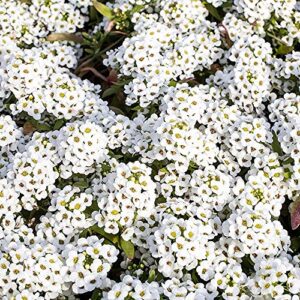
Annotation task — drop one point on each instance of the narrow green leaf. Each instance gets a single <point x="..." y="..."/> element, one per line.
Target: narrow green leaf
<point x="172" y="83"/>
<point x="59" y="124"/>
<point x="117" y="110"/>
<point x="111" y="91"/>
<point x="94" y="16"/>
<point x="93" y="207"/>
<point x="127" y="247"/>
<point x="84" y="233"/>
<point x="227" y="4"/>
<point x="160" y="200"/>
<point x="295" y="244"/>
<point x="288" y="161"/>
<point x="103" y="9"/>
<point x="213" y="11"/>
<point x="194" y="276"/>
<point x="284" y="49"/>
<point x="276" y="145"/>
<point x="81" y="184"/>
<point x="111" y="237"/>
<point x="39" y="126"/>
<point x="96" y="295"/>
<point x="151" y="276"/>
<point x="137" y="8"/>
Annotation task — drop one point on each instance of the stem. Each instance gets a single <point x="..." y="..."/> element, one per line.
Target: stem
<point x="277" y="39"/>
<point x="95" y="72"/>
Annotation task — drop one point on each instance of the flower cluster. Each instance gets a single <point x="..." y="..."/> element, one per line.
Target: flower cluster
<point x="183" y="183"/>
<point x="123" y="196"/>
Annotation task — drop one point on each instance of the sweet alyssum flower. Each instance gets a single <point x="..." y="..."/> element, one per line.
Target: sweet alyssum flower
<point x="177" y="186"/>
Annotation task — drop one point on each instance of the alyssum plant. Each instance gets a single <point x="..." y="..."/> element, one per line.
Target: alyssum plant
<point x="149" y="150"/>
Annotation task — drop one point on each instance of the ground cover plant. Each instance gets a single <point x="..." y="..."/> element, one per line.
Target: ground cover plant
<point x="149" y="149"/>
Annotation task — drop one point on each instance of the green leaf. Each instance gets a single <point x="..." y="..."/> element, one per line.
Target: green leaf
<point x="276" y="145"/>
<point x="194" y="276"/>
<point x="96" y="295"/>
<point x="172" y="83"/>
<point x="151" y="276"/>
<point x="94" y="16"/>
<point x="111" y="237"/>
<point x="93" y="207"/>
<point x="288" y="161"/>
<point x="247" y="264"/>
<point x="284" y="49"/>
<point x="160" y="200"/>
<point x="103" y="9"/>
<point x="84" y="233"/>
<point x="227" y="4"/>
<point x="81" y="184"/>
<point x="39" y="126"/>
<point x="295" y="244"/>
<point x="43" y="127"/>
<point x="117" y="110"/>
<point x="59" y="124"/>
<point x="111" y="91"/>
<point x="213" y="11"/>
<point x="137" y="8"/>
<point x="127" y="247"/>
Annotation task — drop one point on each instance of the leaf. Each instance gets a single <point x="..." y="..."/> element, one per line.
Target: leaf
<point x="117" y="110"/>
<point x="127" y="247"/>
<point x="96" y="295"/>
<point x="213" y="11"/>
<point x="84" y="233"/>
<point x="284" y="49"/>
<point x="81" y="184"/>
<point x="103" y="9"/>
<point x="160" y="200"/>
<point x="276" y="145"/>
<point x="40" y="126"/>
<point x="53" y="37"/>
<point x="94" y="16"/>
<point x="137" y="8"/>
<point x="90" y="209"/>
<point x="247" y="264"/>
<point x="59" y="124"/>
<point x="172" y="83"/>
<point x="227" y="4"/>
<point x="111" y="91"/>
<point x="288" y="161"/>
<point x="111" y="237"/>
<point x="295" y="244"/>
<point x="295" y="214"/>
<point x="194" y="276"/>
<point x="151" y="276"/>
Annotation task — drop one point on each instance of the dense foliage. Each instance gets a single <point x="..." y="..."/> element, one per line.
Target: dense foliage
<point x="149" y="149"/>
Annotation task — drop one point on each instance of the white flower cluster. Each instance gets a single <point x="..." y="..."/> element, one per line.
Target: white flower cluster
<point x="133" y="288"/>
<point x="88" y="262"/>
<point x="31" y="268"/>
<point x="124" y="195"/>
<point x="173" y="44"/>
<point x="28" y="21"/>
<point x="183" y="197"/>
